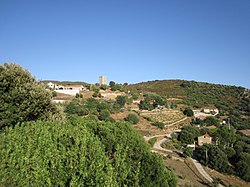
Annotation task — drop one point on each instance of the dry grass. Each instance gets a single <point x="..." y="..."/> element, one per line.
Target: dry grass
<point x="227" y="179"/>
<point x="185" y="175"/>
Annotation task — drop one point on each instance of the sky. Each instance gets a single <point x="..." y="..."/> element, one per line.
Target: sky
<point x="128" y="40"/>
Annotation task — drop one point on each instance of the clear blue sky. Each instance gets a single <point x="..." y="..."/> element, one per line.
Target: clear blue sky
<point x="128" y="40"/>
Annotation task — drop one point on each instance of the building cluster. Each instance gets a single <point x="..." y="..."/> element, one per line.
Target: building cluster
<point x="68" y="87"/>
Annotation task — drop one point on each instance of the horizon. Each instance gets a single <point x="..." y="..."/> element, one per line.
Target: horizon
<point x="132" y="41"/>
<point x="82" y="81"/>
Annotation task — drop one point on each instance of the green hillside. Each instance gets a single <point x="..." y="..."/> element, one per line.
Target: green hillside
<point x="232" y="101"/>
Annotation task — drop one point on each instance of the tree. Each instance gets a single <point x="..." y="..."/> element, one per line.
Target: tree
<point x="76" y="106"/>
<point x="187" y="134"/>
<point x="212" y="156"/>
<point x="53" y="154"/>
<point x="21" y="97"/>
<point x="188" y="112"/>
<point x="211" y="120"/>
<point x="132" y="118"/>
<point x="104" y="87"/>
<point x="187" y="152"/>
<point x="225" y="135"/>
<point x="243" y="166"/>
<point x="121" y="100"/>
<point x="111" y="83"/>
<point x="54" y="93"/>
<point x="104" y="115"/>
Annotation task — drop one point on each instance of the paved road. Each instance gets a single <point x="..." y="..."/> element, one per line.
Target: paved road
<point x="158" y="149"/>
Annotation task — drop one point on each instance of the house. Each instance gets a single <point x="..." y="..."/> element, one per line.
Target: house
<point x="74" y="87"/>
<point x="202" y="117"/>
<point x="210" y="110"/>
<point x="55" y="86"/>
<point x="151" y="102"/>
<point x="206" y="138"/>
<point x="51" y="85"/>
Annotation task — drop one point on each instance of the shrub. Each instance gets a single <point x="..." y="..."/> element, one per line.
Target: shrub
<point x="159" y="125"/>
<point x="21" y="97"/>
<point x="152" y="141"/>
<point x="188" y="112"/>
<point x="132" y="118"/>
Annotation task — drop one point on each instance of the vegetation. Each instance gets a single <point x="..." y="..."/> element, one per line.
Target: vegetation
<point x="188" y="112"/>
<point x="230" y="100"/>
<point x="152" y="141"/>
<point x="121" y="100"/>
<point x="151" y="101"/>
<point x="78" y="153"/>
<point x="229" y="153"/>
<point x="21" y="97"/>
<point x="132" y="118"/>
<point x="159" y="125"/>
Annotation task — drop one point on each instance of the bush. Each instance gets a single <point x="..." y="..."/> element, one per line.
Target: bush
<point x="132" y="118"/>
<point x="79" y="153"/>
<point x="152" y="141"/>
<point x="188" y="112"/>
<point x="21" y="97"/>
<point x="104" y="115"/>
<point x="159" y="125"/>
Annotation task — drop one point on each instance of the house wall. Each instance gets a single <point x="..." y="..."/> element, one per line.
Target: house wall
<point x="68" y="92"/>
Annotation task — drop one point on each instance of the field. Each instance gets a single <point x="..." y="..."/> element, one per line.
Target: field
<point x="168" y="116"/>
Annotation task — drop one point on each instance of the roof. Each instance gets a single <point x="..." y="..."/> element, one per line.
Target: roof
<point x="246" y="132"/>
<point x="207" y="135"/>
<point x="202" y="117"/>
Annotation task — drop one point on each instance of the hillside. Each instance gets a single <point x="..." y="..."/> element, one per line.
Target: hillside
<point x="232" y="101"/>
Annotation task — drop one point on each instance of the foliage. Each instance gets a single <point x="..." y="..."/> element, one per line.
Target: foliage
<point x="225" y="135"/>
<point x="243" y="166"/>
<point x="121" y="100"/>
<point x="152" y="141"/>
<point x="89" y="107"/>
<point x="188" y="134"/>
<point x="21" y="97"/>
<point x="134" y="95"/>
<point x="112" y="83"/>
<point x="188" y="112"/>
<point x="211" y="120"/>
<point x="79" y="153"/>
<point x="54" y="93"/>
<point x="104" y="87"/>
<point x="187" y="152"/>
<point x="132" y="118"/>
<point x="104" y="115"/>
<point x="212" y="156"/>
<point x="159" y="124"/>
<point x="230" y="100"/>
<point x="79" y="95"/>
<point x="151" y="101"/>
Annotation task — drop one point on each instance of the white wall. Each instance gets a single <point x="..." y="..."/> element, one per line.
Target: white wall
<point x="68" y="92"/>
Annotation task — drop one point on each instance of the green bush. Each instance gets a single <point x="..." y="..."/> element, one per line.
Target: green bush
<point x="79" y="152"/>
<point x="159" y="125"/>
<point x="188" y="112"/>
<point x="132" y="118"/>
<point x="152" y="141"/>
<point x="21" y="97"/>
